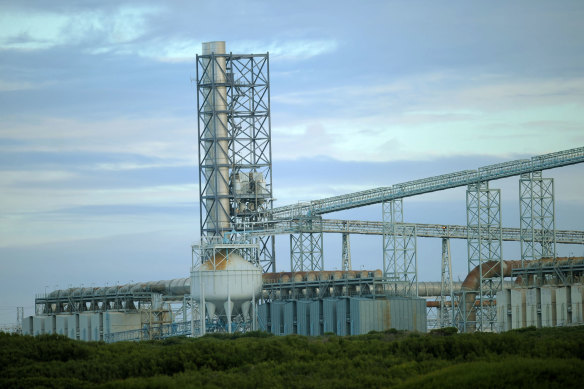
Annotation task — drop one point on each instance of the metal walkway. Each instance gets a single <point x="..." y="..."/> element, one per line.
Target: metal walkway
<point x="431" y="184"/>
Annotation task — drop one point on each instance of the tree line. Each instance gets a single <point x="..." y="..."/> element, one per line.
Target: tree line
<point x="530" y="358"/>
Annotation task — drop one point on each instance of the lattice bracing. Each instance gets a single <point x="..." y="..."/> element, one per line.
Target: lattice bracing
<point x="537" y="217"/>
<point x="306" y="248"/>
<point x="400" y="266"/>
<point x="484" y="245"/>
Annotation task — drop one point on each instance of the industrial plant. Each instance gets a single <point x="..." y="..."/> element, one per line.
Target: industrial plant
<point x="235" y="285"/>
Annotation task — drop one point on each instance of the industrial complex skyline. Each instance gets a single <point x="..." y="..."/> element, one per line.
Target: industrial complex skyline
<point x="98" y="126"/>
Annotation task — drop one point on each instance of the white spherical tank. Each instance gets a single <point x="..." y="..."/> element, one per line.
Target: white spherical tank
<point x="226" y="278"/>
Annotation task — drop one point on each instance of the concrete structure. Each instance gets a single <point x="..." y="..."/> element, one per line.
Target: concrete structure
<point x="84" y="326"/>
<point x="342" y="316"/>
<point x="576" y="299"/>
<point x="27" y="326"/>
<point x="546" y="306"/>
<point x="38" y="325"/>
<point x="511" y="309"/>
<point x="62" y="322"/>
<point x="563" y="303"/>
<point x="97" y="326"/>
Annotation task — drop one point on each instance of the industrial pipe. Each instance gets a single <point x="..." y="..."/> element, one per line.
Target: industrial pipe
<point x="472" y="284"/>
<point x="174" y="287"/>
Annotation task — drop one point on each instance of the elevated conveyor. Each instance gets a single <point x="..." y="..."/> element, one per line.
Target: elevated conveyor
<point x="431" y="184"/>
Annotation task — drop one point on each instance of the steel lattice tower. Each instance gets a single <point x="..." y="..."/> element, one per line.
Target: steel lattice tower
<point x="537" y="216"/>
<point x="306" y="248"/>
<point x="400" y="258"/>
<point x="235" y="148"/>
<point x="483" y="207"/>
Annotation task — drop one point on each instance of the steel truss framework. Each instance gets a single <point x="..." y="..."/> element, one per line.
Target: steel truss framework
<point x="537" y="217"/>
<point x="446" y="313"/>
<point x="306" y="248"/>
<point x="400" y="266"/>
<point x="483" y="207"/>
<point x="234" y="135"/>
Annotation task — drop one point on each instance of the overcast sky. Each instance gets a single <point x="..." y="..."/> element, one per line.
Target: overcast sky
<point x="98" y="121"/>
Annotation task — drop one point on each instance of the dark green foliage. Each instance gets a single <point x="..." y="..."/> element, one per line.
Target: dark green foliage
<point x="523" y="358"/>
<point x="447" y="331"/>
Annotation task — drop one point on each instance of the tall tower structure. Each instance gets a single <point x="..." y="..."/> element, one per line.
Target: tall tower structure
<point x="235" y="147"/>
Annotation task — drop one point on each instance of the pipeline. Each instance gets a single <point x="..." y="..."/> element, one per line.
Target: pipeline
<point x="472" y="284"/>
<point x="174" y="287"/>
<point x="285" y="277"/>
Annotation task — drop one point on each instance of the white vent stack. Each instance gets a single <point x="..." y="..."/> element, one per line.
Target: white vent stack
<point x="216" y="143"/>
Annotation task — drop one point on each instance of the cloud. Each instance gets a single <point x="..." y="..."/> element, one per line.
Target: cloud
<point x="130" y="30"/>
<point x="11" y="86"/>
<point x="42" y="29"/>
<point x="178" y="50"/>
<point x="431" y="115"/>
<point x="292" y="49"/>
<point x="68" y="213"/>
<point x="138" y="136"/>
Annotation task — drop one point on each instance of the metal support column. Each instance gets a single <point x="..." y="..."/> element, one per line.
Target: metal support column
<point x="536" y="217"/>
<point x="306" y="248"/>
<point x="346" y="251"/>
<point x="446" y="314"/>
<point x="483" y="212"/>
<point x="400" y="260"/>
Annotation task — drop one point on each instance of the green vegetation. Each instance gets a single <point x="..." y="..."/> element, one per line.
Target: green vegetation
<point x="526" y="358"/>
